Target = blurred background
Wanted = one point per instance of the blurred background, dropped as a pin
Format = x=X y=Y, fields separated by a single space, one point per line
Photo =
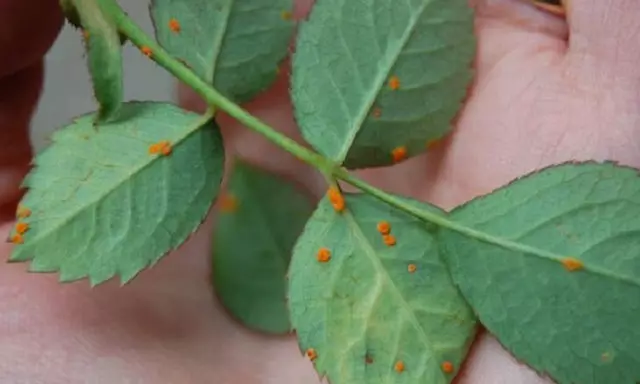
x=67 y=89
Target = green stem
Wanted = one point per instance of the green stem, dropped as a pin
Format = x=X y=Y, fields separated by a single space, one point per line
x=329 y=169
x=138 y=37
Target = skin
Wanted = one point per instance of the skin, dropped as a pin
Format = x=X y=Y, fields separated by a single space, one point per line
x=547 y=91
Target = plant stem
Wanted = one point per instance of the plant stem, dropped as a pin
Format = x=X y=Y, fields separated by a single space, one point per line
x=328 y=168
x=139 y=38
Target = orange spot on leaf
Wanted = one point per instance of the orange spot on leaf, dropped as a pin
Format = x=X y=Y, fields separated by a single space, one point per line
x=399 y=154
x=399 y=367
x=389 y=240
x=146 y=51
x=377 y=112
x=384 y=227
x=228 y=203
x=572 y=264
x=324 y=255
x=22 y=228
x=174 y=25
x=394 y=83
x=17 y=239
x=336 y=199
x=311 y=354
x=412 y=268
x=447 y=367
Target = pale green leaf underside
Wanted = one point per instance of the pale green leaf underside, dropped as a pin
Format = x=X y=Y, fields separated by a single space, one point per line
x=253 y=241
x=579 y=327
x=345 y=56
x=102 y=205
x=363 y=310
x=236 y=45
x=104 y=57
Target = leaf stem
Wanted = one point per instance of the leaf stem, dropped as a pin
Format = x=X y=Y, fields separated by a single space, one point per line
x=139 y=38
x=327 y=167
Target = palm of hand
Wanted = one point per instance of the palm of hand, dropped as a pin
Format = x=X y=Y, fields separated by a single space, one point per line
x=534 y=103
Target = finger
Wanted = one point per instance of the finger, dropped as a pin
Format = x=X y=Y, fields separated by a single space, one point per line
x=27 y=30
x=490 y=363
x=605 y=31
x=18 y=96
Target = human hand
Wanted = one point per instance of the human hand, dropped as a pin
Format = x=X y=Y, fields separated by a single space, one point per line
x=535 y=102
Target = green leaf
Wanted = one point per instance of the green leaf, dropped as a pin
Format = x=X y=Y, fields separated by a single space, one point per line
x=506 y=254
x=235 y=45
x=101 y=204
x=346 y=57
x=260 y=219
x=104 y=57
x=364 y=311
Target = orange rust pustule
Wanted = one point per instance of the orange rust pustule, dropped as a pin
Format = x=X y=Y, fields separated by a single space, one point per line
x=572 y=264
x=389 y=240
x=17 y=239
x=399 y=367
x=384 y=227
x=412 y=268
x=336 y=199
x=22 y=228
x=399 y=154
x=174 y=25
x=323 y=255
x=394 y=83
x=447 y=367
x=311 y=354
x=146 y=51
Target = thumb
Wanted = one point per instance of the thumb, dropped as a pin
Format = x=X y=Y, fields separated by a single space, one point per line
x=21 y=74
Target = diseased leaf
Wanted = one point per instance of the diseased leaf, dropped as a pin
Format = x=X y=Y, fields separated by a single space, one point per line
x=260 y=218
x=114 y=199
x=235 y=45
x=104 y=57
x=512 y=255
x=376 y=81
x=370 y=313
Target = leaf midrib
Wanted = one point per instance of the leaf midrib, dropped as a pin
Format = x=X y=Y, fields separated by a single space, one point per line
x=378 y=84
x=218 y=43
x=485 y=237
x=198 y=124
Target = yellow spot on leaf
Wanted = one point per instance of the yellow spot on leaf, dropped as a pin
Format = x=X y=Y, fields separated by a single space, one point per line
x=23 y=212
